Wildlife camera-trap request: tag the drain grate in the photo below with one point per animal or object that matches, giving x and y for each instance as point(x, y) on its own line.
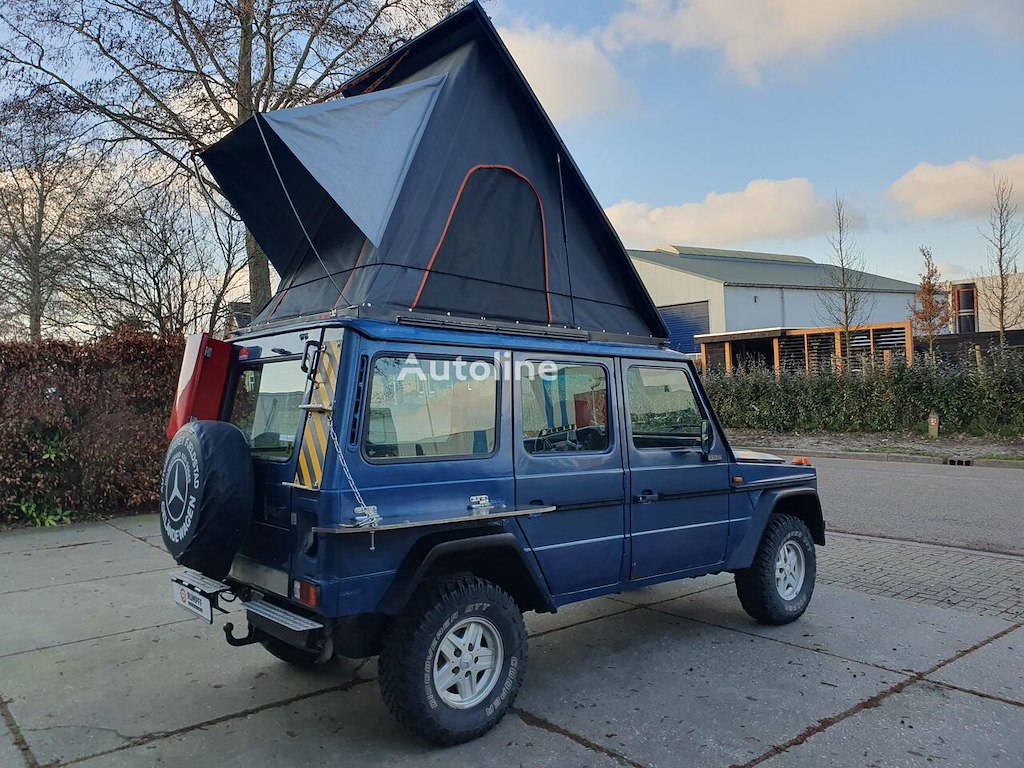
point(960, 461)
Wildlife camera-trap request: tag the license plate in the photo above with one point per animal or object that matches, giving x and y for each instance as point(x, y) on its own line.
point(192, 601)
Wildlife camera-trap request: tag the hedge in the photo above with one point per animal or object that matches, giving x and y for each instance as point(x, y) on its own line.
point(981, 401)
point(82, 425)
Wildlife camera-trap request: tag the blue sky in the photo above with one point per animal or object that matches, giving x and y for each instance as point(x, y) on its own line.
point(732, 123)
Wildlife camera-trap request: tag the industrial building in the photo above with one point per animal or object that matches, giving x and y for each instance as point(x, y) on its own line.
point(709, 290)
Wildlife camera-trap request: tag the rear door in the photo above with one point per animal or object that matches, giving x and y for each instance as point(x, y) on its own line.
point(567, 454)
point(271, 390)
point(679, 496)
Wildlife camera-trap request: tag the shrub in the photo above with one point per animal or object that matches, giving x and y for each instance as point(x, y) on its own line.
point(82, 425)
point(983, 401)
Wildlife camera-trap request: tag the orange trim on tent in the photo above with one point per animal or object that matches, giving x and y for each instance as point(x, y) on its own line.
point(451, 215)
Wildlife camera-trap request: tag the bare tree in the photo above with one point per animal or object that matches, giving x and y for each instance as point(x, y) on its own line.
point(165, 264)
point(175, 75)
point(929, 311)
point(49, 207)
point(1001, 287)
point(845, 298)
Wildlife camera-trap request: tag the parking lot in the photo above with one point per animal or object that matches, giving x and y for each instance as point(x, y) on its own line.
point(97, 668)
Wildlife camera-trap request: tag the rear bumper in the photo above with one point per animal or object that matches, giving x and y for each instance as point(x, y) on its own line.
point(263, 617)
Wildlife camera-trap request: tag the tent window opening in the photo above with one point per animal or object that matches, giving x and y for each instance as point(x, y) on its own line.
point(492, 257)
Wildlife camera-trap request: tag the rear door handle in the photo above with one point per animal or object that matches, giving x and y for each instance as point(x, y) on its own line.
point(646, 497)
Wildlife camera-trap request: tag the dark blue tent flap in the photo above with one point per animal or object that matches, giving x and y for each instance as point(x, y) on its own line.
point(439, 186)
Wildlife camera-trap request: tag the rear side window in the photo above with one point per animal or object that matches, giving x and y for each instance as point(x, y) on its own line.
point(565, 408)
point(431, 408)
point(266, 407)
point(663, 408)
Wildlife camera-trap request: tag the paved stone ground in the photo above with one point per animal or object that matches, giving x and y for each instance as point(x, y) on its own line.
point(98, 670)
point(976, 582)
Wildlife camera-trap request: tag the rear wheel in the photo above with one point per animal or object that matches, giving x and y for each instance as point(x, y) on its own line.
point(777, 587)
point(452, 663)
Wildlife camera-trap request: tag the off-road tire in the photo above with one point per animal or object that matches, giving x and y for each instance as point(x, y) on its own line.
point(297, 657)
point(407, 658)
point(756, 587)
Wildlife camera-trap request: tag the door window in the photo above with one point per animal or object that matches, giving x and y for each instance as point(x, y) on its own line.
point(427, 409)
point(565, 407)
point(266, 407)
point(663, 408)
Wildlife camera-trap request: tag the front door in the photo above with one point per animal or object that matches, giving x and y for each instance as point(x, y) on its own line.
point(679, 503)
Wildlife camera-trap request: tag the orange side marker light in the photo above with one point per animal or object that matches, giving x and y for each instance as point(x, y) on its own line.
point(802, 461)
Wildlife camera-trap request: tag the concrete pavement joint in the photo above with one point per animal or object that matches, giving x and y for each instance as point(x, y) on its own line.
point(788, 643)
point(149, 738)
point(19, 738)
point(139, 538)
point(534, 721)
point(85, 581)
point(97, 637)
point(872, 701)
point(631, 607)
point(979, 694)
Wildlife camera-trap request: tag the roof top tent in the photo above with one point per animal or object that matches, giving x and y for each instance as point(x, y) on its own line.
point(438, 185)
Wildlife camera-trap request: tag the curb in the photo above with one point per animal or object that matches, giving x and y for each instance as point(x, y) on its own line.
point(904, 458)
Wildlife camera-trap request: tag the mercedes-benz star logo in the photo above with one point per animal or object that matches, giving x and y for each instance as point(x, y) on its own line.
point(178, 485)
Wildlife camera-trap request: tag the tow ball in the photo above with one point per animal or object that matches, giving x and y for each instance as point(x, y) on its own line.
point(237, 642)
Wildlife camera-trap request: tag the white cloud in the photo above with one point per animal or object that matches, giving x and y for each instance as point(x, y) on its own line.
point(753, 34)
point(765, 209)
point(963, 188)
point(570, 73)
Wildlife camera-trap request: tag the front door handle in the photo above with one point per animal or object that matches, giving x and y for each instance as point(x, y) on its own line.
point(646, 497)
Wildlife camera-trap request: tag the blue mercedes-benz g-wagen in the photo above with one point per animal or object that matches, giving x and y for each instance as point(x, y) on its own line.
point(458, 407)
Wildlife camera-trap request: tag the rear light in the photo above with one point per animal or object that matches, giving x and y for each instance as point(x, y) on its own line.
point(802, 461)
point(306, 593)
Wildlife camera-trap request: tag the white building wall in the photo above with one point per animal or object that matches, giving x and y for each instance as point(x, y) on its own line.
point(766, 307)
point(671, 286)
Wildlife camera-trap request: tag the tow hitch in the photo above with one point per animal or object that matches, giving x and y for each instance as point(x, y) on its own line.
point(238, 642)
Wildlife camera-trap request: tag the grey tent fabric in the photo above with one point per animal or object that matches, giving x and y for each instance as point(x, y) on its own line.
point(341, 144)
point(437, 185)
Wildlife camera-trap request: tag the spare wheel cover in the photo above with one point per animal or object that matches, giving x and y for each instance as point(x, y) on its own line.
point(206, 496)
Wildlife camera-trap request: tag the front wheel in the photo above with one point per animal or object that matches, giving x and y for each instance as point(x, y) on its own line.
point(452, 663)
point(777, 587)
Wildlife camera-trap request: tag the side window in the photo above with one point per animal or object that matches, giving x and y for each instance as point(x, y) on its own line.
point(431, 408)
point(565, 407)
point(266, 407)
point(663, 408)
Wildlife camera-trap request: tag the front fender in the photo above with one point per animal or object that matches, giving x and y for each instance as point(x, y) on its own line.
point(801, 501)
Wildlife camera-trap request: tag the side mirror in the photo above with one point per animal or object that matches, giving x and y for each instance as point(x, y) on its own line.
point(706, 436)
